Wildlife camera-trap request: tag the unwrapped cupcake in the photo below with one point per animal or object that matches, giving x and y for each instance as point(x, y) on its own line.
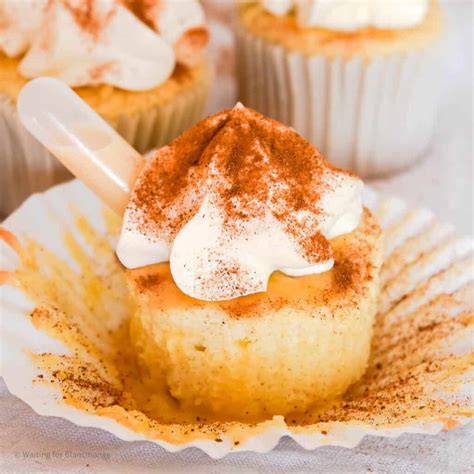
point(253, 268)
point(360, 78)
point(139, 63)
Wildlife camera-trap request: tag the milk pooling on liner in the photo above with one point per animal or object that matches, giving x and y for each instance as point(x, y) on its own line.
point(351, 15)
point(235, 198)
point(133, 45)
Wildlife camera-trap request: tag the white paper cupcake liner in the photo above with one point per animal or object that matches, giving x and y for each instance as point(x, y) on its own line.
point(373, 117)
point(27, 167)
point(419, 379)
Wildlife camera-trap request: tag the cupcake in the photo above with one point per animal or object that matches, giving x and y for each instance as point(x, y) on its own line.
point(140, 64)
point(253, 268)
point(360, 79)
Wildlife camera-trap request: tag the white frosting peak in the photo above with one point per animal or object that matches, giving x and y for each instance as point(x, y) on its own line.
point(99, 41)
point(350, 15)
point(232, 200)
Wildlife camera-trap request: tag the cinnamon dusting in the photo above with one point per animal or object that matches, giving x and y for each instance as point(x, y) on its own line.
point(188, 46)
point(97, 72)
point(147, 282)
point(88, 17)
point(145, 10)
point(191, 43)
point(251, 164)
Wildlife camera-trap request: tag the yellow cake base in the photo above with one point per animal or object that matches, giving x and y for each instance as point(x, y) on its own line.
point(302, 342)
point(109, 101)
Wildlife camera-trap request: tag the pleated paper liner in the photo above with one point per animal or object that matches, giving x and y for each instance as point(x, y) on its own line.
point(355, 111)
point(27, 167)
point(65, 350)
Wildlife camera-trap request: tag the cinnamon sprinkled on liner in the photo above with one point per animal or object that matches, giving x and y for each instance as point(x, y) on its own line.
point(413, 379)
point(250, 165)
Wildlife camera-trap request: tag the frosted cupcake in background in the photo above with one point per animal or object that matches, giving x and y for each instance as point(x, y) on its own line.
point(139, 63)
point(360, 79)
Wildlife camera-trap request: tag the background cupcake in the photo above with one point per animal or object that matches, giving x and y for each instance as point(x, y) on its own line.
point(138, 63)
point(359, 79)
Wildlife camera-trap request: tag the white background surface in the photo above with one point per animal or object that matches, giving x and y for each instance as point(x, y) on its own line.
point(442, 182)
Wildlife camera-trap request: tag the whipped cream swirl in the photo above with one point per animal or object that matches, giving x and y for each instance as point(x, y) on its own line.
point(133, 45)
point(351, 15)
point(232, 200)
